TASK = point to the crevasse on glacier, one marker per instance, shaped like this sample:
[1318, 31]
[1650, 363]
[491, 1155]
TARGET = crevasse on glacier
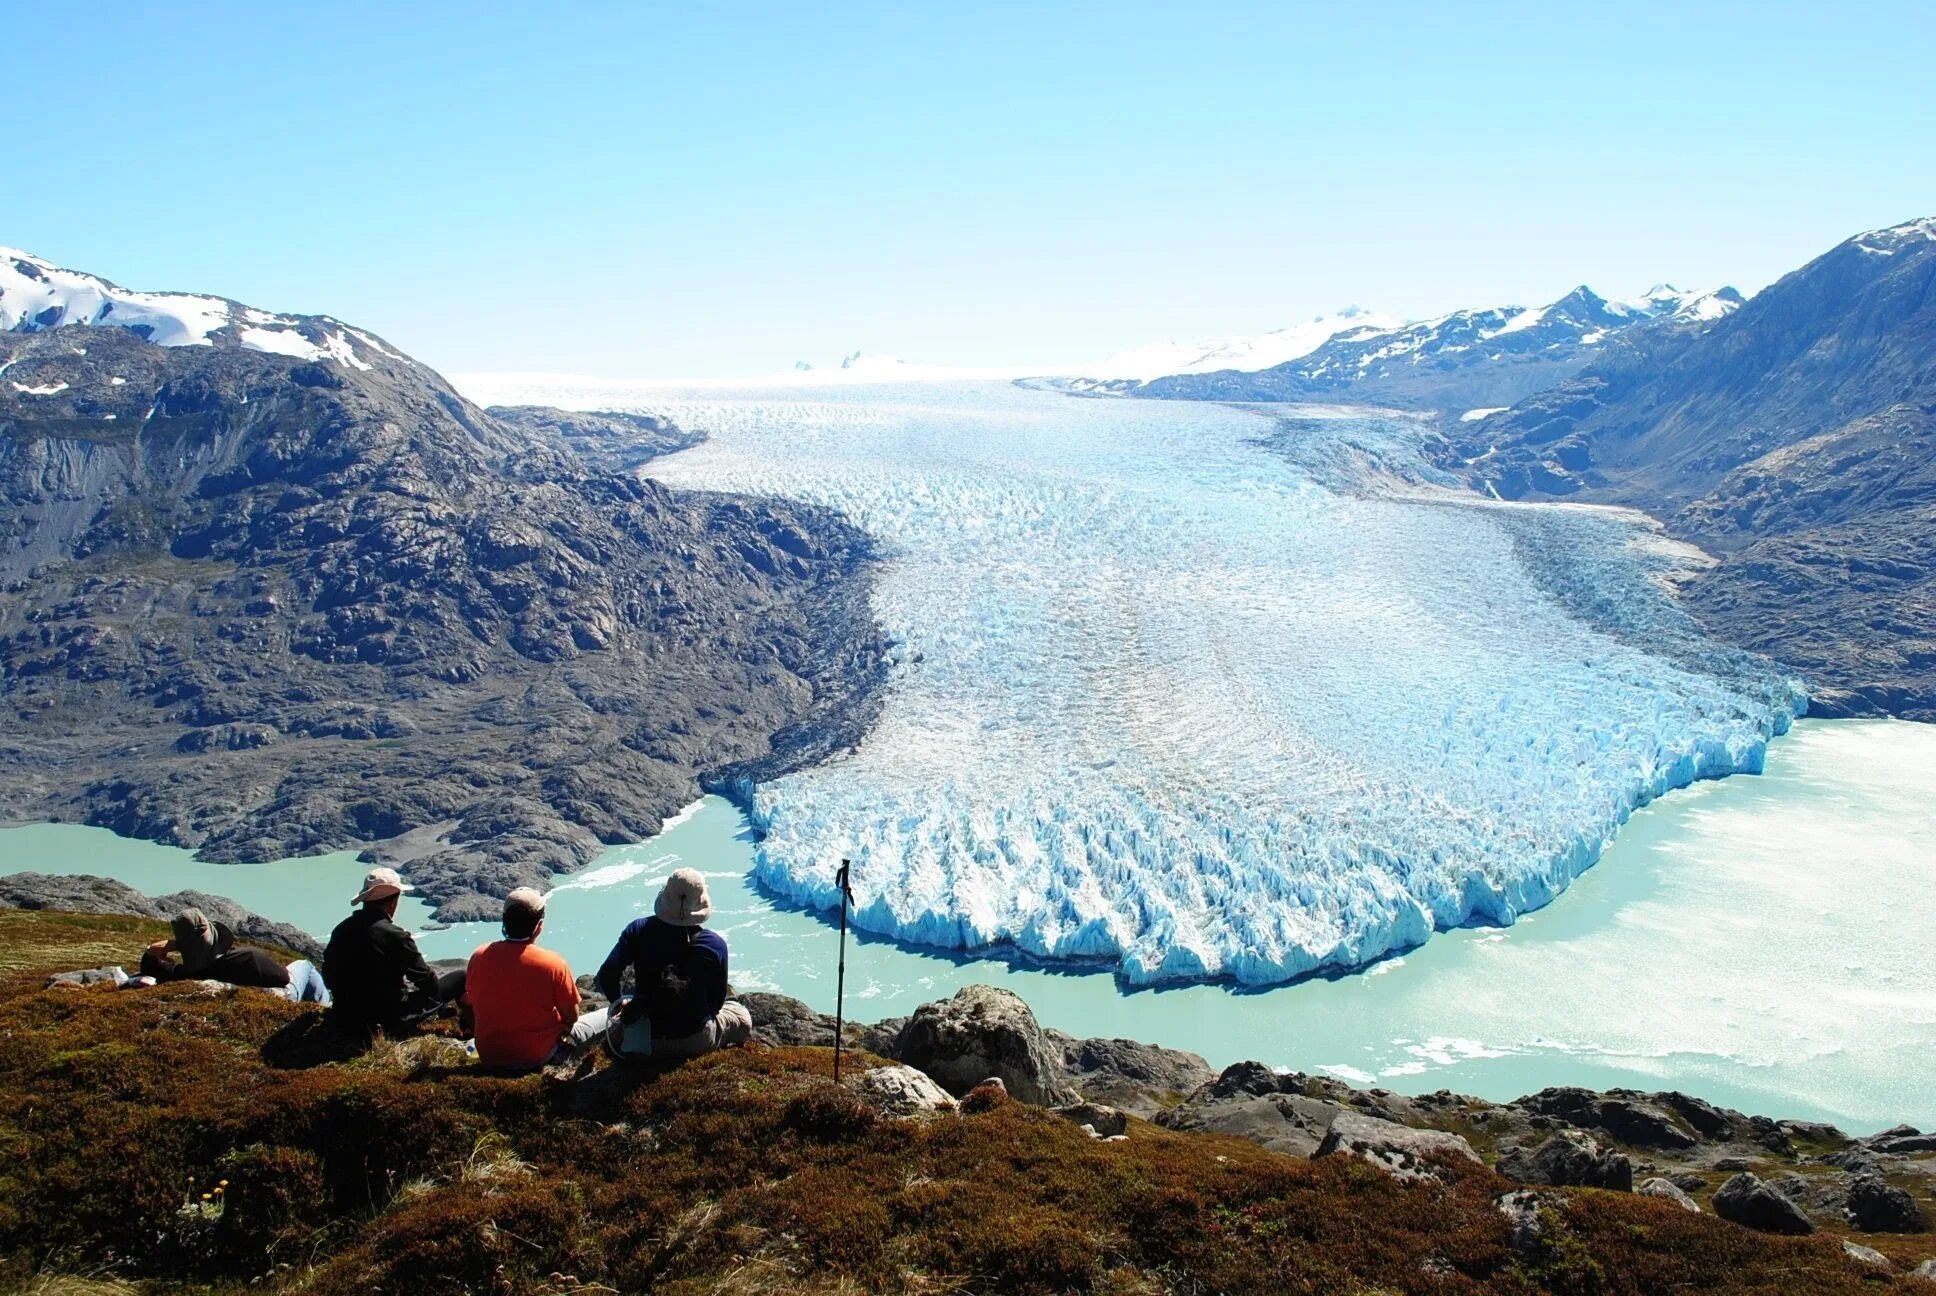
[1200, 707]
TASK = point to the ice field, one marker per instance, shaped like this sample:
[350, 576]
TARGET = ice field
[1196, 708]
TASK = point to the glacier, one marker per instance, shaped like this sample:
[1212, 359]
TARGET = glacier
[1206, 693]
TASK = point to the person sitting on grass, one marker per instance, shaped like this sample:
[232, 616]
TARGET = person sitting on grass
[378, 979]
[203, 950]
[679, 975]
[523, 999]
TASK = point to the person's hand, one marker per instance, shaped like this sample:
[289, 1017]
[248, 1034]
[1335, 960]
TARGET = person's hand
[158, 948]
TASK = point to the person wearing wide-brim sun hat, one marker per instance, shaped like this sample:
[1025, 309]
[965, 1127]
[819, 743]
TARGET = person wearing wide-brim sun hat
[679, 1006]
[377, 977]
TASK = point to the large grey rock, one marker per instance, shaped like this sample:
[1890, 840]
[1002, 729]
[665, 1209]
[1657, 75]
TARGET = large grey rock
[982, 1032]
[1878, 1206]
[1670, 1191]
[1289, 1123]
[1525, 1213]
[1143, 1079]
[1397, 1149]
[1925, 1271]
[901, 1091]
[1102, 1121]
[1865, 1255]
[783, 1021]
[1627, 1118]
[86, 893]
[1745, 1199]
[1569, 1159]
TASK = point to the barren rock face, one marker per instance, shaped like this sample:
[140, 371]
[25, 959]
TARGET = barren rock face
[262, 607]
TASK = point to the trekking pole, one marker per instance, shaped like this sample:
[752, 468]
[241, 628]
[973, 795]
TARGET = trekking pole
[840, 979]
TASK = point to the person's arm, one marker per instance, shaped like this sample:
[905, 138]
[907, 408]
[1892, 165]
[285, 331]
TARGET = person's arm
[565, 998]
[611, 973]
[409, 963]
[715, 986]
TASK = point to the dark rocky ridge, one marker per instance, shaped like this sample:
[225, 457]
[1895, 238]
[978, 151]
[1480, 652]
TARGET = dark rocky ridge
[99, 895]
[260, 606]
[1796, 440]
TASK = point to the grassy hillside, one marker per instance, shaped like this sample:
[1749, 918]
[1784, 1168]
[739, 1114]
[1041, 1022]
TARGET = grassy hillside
[404, 1170]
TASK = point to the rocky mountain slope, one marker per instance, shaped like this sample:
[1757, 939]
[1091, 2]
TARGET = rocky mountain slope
[1467, 360]
[261, 603]
[1795, 439]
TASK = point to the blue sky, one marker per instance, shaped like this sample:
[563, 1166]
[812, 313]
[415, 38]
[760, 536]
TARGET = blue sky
[709, 189]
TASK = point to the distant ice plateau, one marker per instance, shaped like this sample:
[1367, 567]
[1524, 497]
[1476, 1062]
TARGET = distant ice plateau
[1203, 694]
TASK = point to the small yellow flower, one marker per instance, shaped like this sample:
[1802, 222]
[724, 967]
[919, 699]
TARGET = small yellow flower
[205, 1196]
[223, 1184]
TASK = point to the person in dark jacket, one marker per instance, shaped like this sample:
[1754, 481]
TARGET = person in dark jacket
[202, 950]
[377, 977]
[679, 1008]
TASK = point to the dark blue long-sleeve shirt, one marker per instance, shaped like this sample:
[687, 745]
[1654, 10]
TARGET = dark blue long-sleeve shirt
[647, 945]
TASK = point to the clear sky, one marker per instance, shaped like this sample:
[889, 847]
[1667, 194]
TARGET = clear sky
[709, 189]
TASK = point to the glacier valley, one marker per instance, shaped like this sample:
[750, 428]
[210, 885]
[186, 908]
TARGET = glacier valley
[1200, 693]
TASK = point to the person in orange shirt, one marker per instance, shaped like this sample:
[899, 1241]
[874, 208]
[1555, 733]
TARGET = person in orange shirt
[523, 998]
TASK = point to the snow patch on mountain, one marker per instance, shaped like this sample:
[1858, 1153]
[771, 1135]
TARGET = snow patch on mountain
[1247, 354]
[36, 294]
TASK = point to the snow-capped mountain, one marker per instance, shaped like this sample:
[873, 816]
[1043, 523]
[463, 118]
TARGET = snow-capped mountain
[36, 295]
[1464, 360]
[1263, 351]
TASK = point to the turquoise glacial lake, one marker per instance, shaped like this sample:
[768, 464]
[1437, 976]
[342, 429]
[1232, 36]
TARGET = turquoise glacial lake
[1762, 941]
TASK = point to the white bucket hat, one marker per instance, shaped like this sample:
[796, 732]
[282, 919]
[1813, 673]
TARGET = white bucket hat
[380, 884]
[684, 900]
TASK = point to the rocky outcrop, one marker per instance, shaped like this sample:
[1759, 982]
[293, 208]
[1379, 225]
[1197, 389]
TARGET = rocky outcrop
[1878, 1206]
[1745, 1199]
[982, 1032]
[85, 893]
[1139, 1078]
[1398, 1150]
[1668, 1190]
[901, 1091]
[1569, 1159]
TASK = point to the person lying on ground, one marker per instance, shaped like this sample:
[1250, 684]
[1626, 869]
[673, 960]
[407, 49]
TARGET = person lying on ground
[523, 999]
[377, 978]
[204, 950]
[679, 1008]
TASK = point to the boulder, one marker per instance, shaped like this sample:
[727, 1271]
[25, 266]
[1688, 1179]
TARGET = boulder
[1925, 1271]
[1100, 1120]
[785, 1022]
[1139, 1078]
[1669, 1190]
[1569, 1159]
[981, 1032]
[87, 977]
[1878, 1206]
[1865, 1255]
[1288, 1123]
[1398, 1150]
[1522, 1210]
[1744, 1199]
[901, 1091]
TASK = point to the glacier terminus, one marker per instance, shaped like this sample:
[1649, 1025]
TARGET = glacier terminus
[1202, 692]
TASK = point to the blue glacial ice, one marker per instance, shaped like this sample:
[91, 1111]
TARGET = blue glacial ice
[1198, 707]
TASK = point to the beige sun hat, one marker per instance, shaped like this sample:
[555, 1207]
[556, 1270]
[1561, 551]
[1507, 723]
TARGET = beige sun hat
[684, 900]
[380, 884]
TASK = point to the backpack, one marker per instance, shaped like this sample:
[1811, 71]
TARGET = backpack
[674, 995]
